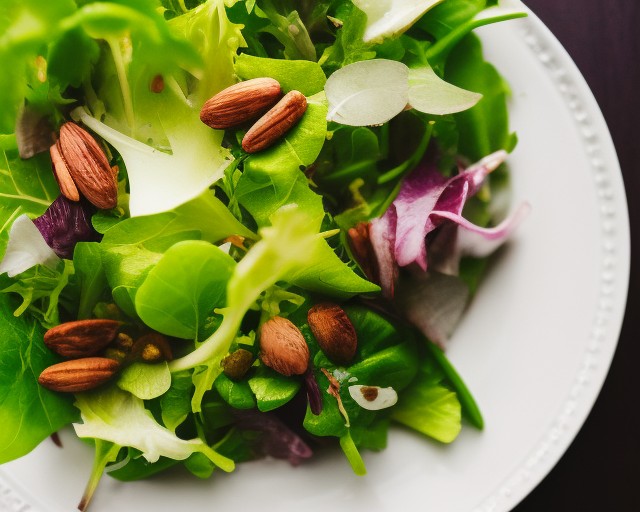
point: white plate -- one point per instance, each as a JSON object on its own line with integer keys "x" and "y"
{"x": 534, "y": 348}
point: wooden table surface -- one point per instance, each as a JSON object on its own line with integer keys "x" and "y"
{"x": 600, "y": 472}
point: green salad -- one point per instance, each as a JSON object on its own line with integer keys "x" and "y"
{"x": 236, "y": 229}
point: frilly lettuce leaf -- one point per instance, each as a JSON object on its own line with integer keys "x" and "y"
{"x": 119, "y": 417}
{"x": 170, "y": 155}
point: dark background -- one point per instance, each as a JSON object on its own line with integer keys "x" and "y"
{"x": 601, "y": 469}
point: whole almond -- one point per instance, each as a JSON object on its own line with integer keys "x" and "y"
{"x": 78, "y": 375}
{"x": 282, "y": 347}
{"x": 242, "y": 102}
{"x": 275, "y": 123}
{"x": 63, "y": 176}
{"x": 334, "y": 332}
{"x": 81, "y": 338}
{"x": 88, "y": 166}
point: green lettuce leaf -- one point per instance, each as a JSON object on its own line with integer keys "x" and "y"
{"x": 29, "y": 413}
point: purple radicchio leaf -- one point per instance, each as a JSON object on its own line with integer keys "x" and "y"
{"x": 64, "y": 224}
{"x": 277, "y": 440}
{"x": 426, "y": 201}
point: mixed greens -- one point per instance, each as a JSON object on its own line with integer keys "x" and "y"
{"x": 372, "y": 203}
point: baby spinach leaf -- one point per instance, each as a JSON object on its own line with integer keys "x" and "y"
{"x": 89, "y": 277}
{"x": 126, "y": 268}
{"x": 29, "y": 413}
{"x": 237, "y": 394}
{"x": 184, "y": 287}
{"x": 272, "y": 389}
{"x": 175, "y": 404}
{"x": 428, "y": 406}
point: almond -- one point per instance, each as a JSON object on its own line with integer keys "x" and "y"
{"x": 63, "y": 176}
{"x": 242, "y": 102}
{"x": 79, "y": 374}
{"x": 81, "y": 338}
{"x": 88, "y": 166}
{"x": 334, "y": 332}
{"x": 283, "y": 348}
{"x": 275, "y": 123}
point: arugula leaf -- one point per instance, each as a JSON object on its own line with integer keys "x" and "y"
{"x": 29, "y": 413}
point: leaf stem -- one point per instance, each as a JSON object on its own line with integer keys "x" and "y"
{"x": 114, "y": 46}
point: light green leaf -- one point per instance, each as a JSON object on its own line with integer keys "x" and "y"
{"x": 430, "y": 94}
{"x": 368, "y": 92}
{"x": 185, "y": 286}
{"x": 300, "y": 75}
{"x": 146, "y": 381}
{"x": 272, "y": 390}
{"x": 29, "y": 413}
{"x": 388, "y": 18}
{"x": 119, "y": 417}
{"x": 274, "y": 178}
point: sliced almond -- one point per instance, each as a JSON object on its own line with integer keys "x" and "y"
{"x": 240, "y": 103}
{"x": 275, "y": 123}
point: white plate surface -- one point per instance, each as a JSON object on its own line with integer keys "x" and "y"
{"x": 534, "y": 347}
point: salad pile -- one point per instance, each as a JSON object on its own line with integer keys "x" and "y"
{"x": 232, "y": 229}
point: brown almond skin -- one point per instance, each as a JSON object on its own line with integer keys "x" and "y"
{"x": 78, "y": 375}
{"x": 81, "y": 338}
{"x": 88, "y": 166}
{"x": 334, "y": 332}
{"x": 240, "y": 103}
{"x": 62, "y": 175}
{"x": 275, "y": 123}
{"x": 283, "y": 348}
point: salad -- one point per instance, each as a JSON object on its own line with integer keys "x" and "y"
{"x": 240, "y": 229}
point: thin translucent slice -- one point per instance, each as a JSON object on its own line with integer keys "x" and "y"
{"x": 367, "y": 93}
{"x": 387, "y": 18}
{"x": 431, "y": 94}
